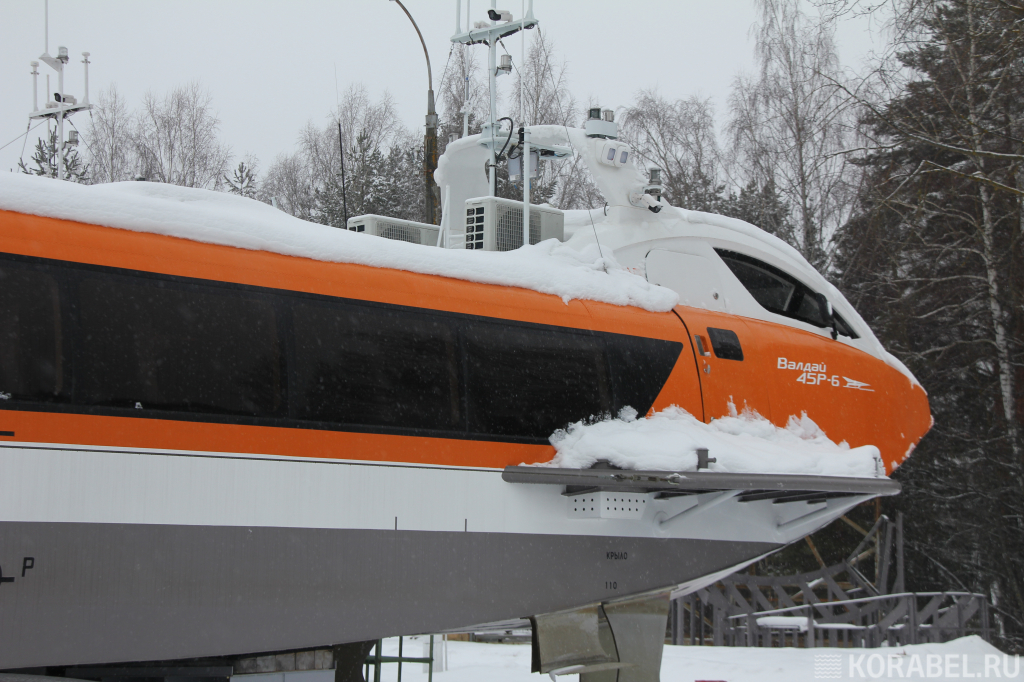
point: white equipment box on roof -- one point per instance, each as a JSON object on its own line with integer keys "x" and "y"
{"x": 395, "y": 228}
{"x": 494, "y": 224}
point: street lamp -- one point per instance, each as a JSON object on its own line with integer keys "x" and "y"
{"x": 430, "y": 138}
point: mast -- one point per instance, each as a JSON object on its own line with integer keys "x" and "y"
{"x": 490, "y": 35}
{"x": 65, "y": 105}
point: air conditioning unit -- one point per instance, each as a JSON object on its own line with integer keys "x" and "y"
{"x": 395, "y": 228}
{"x": 494, "y": 224}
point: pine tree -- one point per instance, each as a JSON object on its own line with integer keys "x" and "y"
{"x": 933, "y": 260}
{"x": 762, "y": 206}
{"x": 45, "y": 159}
{"x": 243, "y": 181}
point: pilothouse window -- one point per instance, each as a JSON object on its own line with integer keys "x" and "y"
{"x": 779, "y": 292}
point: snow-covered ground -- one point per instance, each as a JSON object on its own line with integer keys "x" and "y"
{"x": 744, "y": 442}
{"x": 475, "y": 662}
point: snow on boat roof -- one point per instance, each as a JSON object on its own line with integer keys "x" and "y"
{"x": 218, "y": 218}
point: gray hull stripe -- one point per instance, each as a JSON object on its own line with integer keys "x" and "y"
{"x": 106, "y": 593}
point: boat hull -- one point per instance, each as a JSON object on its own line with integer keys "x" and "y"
{"x": 116, "y": 554}
{"x": 102, "y": 593}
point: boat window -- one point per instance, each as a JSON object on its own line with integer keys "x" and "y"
{"x": 31, "y": 366}
{"x": 157, "y": 345}
{"x": 639, "y": 369}
{"x": 725, "y": 343}
{"x": 531, "y": 382}
{"x": 358, "y": 364}
{"x": 779, "y": 292}
{"x": 149, "y": 345}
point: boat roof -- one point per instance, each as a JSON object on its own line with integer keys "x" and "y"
{"x": 219, "y": 218}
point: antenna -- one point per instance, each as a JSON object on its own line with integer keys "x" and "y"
{"x": 522, "y": 43}
{"x": 35, "y": 85}
{"x": 85, "y": 60}
{"x": 465, "y": 108}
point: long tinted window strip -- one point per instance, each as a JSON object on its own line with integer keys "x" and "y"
{"x": 616, "y": 374}
{"x": 152, "y": 344}
{"x": 32, "y": 335}
{"x": 529, "y": 382}
{"x": 360, "y": 364}
{"x": 286, "y": 342}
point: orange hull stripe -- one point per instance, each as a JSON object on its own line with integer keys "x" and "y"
{"x": 161, "y": 434}
{"x": 90, "y": 244}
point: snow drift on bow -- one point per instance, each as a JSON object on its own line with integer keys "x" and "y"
{"x": 217, "y": 218}
{"x": 744, "y": 442}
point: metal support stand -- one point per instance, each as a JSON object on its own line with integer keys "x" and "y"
{"x": 377, "y": 659}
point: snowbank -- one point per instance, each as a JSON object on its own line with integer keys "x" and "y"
{"x": 744, "y": 442}
{"x": 218, "y": 218}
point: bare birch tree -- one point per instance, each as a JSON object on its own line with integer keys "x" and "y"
{"x": 548, "y": 100}
{"x": 791, "y": 121}
{"x": 464, "y": 89}
{"x": 176, "y": 139}
{"x": 679, "y": 138}
{"x": 933, "y": 257}
{"x": 544, "y": 80}
{"x": 109, "y": 137}
{"x": 288, "y": 183}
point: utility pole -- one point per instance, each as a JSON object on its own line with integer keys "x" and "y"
{"x": 430, "y": 137}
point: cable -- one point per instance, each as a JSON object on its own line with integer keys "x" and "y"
{"x": 24, "y": 134}
{"x": 513, "y": 61}
{"x": 440, "y": 85}
{"x": 511, "y": 127}
{"x": 589, "y": 214}
{"x": 599, "y": 249}
{"x": 80, "y": 135}
{"x": 21, "y": 159}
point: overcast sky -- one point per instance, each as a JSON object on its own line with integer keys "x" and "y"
{"x": 270, "y": 66}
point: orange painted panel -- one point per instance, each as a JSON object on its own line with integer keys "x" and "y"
{"x": 892, "y": 414}
{"x": 727, "y": 382}
{"x": 83, "y": 243}
{"x": 167, "y": 434}
{"x": 852, "y": 396}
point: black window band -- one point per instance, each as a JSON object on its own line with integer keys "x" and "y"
{"x": 107, "y": 341}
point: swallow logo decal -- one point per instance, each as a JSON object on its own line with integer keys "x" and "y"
{"x": 857, "y": 385}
